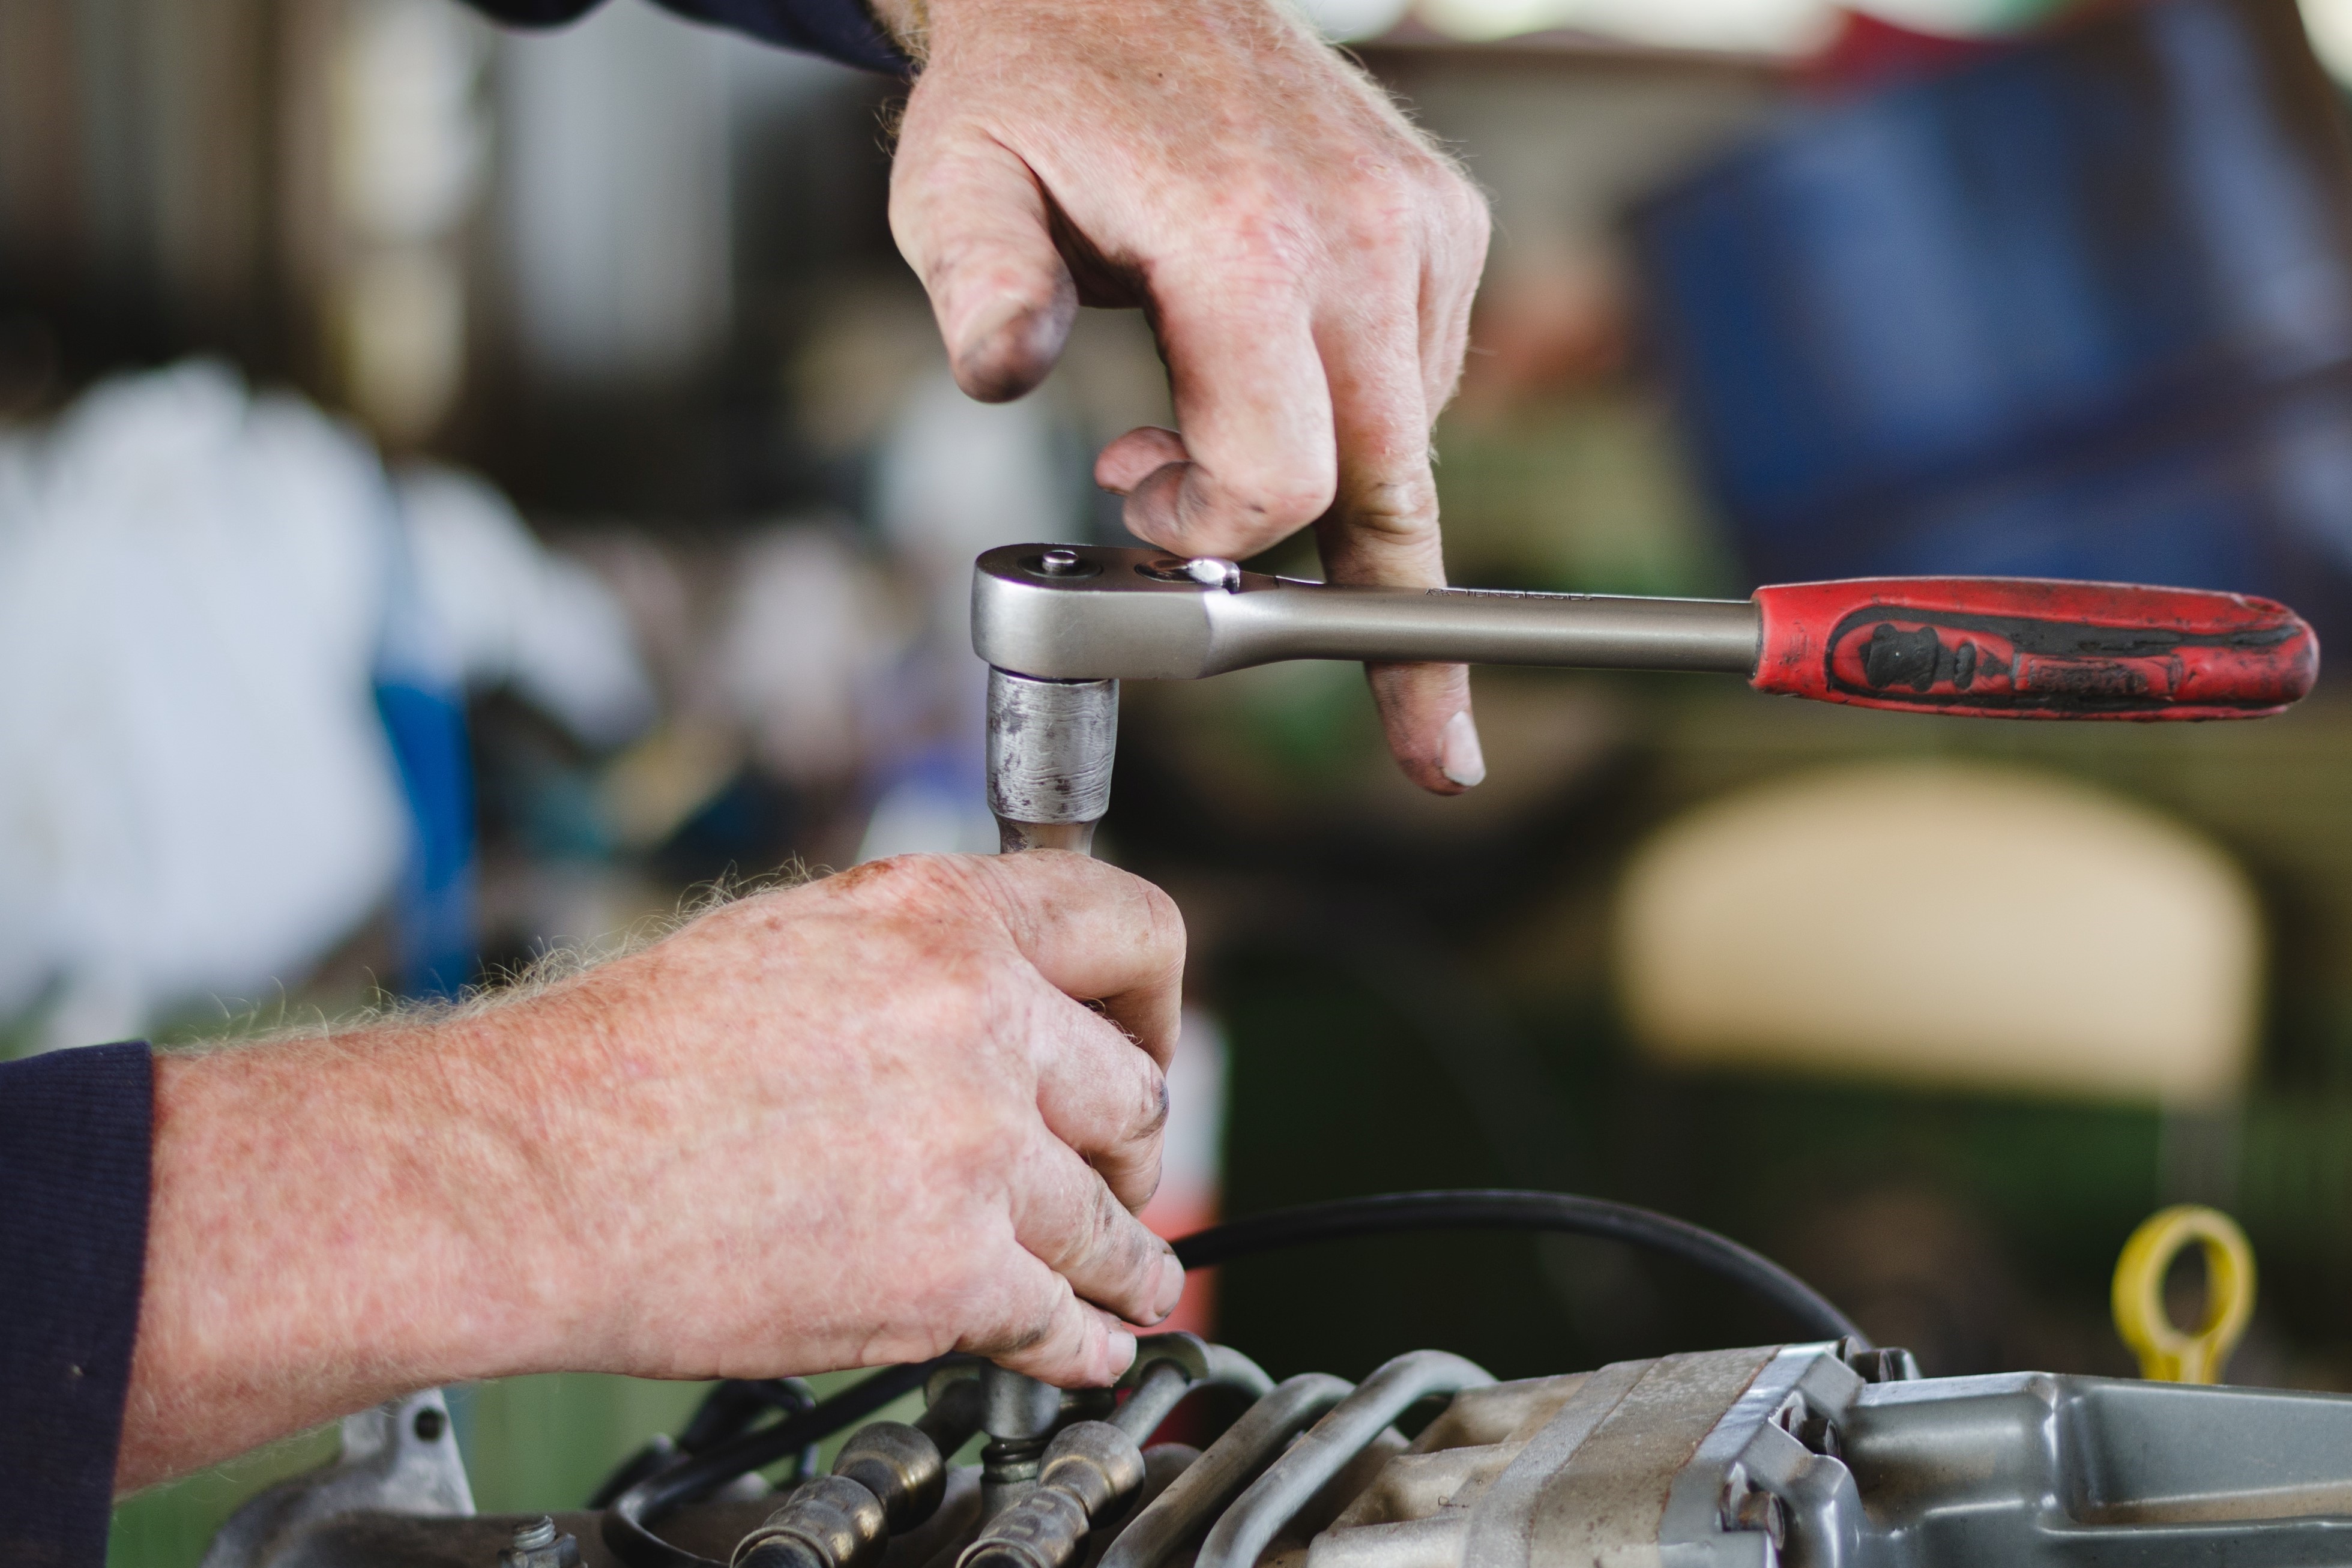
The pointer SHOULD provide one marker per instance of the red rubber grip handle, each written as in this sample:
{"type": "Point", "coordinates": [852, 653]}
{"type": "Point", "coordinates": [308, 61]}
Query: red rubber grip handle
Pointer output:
{"type": "Point", "coordinates": [2015, 647]}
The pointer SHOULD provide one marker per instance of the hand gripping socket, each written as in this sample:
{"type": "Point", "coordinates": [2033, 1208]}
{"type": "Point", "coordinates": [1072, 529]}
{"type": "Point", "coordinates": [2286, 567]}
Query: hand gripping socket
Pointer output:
{"type": "Point", "coordinates": [888, 1477]}
{"type": "Point", "coordinates": [1090, 1469]}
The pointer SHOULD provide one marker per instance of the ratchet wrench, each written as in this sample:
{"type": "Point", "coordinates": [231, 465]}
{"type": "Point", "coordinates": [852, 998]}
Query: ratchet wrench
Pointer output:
{"type": "Point", "coordinates": [1999, 647]}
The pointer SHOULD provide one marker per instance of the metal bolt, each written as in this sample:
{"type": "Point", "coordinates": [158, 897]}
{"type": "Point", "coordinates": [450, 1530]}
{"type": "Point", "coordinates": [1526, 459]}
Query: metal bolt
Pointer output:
{"type": "Point", "coordinates": [1764, 1512]}
{"type": "Point", "coordinates": [537, 1544]}
{"type": "Point", "coordinates": [1213, 572]}
{"type": "Point", "coordinates": [1059, 562]}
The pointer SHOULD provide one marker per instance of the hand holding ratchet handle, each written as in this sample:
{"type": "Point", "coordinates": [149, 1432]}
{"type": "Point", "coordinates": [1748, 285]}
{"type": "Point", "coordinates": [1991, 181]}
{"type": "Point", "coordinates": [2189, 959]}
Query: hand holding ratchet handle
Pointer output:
{"type": "Point", "coordinates": [1984, 646]}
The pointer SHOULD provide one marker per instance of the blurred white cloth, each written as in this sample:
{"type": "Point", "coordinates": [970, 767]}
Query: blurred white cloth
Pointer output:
{"type": "Point", "coordinates": [512, 613]}
{"type": "Point", "coordinates": [196, 796]}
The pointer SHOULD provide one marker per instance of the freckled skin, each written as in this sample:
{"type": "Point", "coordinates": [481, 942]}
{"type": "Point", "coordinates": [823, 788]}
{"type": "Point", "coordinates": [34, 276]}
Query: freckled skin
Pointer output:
{"type": "Point", "coordinates": [859, 1122]}
{"type": "Point", "coordinates": [1304, 257]}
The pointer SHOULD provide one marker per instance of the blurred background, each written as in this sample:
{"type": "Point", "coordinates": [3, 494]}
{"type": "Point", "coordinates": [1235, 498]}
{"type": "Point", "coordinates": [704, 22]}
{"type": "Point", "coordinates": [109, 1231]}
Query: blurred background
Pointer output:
{"type": "Point", "coordinates": [460, 494]}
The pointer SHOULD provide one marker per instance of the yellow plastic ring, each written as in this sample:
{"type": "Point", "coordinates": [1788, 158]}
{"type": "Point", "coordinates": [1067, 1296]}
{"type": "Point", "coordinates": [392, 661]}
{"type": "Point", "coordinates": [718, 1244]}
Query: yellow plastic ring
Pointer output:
{"type": "Point", "coordinates": [2166, 1353]}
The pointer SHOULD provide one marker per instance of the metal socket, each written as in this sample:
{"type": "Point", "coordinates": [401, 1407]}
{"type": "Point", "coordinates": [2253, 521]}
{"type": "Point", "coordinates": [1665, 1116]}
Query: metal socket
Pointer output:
{"type": "Point", "coordinates": [1050, 744]}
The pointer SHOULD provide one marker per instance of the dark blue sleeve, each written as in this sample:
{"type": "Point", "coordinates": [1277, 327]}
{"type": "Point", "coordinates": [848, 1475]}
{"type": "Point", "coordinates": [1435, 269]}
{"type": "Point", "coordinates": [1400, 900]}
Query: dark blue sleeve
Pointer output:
{"type": "Point", "coordinates": [74, 1129]}
{"type": "Point", "coordinates": [842, 30]}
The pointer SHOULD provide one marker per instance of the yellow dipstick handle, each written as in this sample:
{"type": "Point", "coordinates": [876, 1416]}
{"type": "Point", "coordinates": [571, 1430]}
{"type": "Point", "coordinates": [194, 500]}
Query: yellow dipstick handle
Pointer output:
{"type": "Point", "coordinates": [2167, 1354]}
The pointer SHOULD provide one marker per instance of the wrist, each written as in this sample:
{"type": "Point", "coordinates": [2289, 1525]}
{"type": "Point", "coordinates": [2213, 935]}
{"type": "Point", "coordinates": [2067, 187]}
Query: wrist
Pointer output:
{"type": "Point", "coordinates": [333, 1222]}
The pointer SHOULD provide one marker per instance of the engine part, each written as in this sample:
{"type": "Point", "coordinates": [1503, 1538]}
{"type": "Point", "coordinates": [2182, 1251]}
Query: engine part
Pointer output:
{"type": "Point", "coordinates": [887, 1476]}
{"type": "Point", "coordinates": [1807, 1455]}
{"type": "Point", "coordinates": [1090, 1467]}
{"type": "Point", "coordinates": [1193, 1499]}
{"type": "Point", "coordinates": [624, 1529]}
{"type": "Point", "coordinates": [2166, 1353]}
{"type": "Point", "coordinates": [1327, 1447]}
{"type": "Point", "coordinates": [399, 1458]}
{"type": "Point", "coordinates": [1061, 625]}
{"type": "Point", "coordinates": [539, 1545]}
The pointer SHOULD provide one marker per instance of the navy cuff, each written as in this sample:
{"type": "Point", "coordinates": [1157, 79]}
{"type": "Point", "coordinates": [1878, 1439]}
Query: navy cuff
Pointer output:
{"type": "Point", "coordinates": [840, 30]}
{"type": "Point", "coordinates": [75, 1133]}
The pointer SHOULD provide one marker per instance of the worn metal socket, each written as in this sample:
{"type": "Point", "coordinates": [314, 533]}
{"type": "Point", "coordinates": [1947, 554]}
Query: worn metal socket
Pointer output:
{"type": "Point", "coordinates": [1049, 759]}
{"type": "Point", "coordinates": [1088, 1468]}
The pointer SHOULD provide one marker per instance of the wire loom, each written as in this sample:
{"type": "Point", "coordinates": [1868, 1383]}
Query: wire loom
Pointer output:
{"type": "Point", "coordinates": [626, 1524]}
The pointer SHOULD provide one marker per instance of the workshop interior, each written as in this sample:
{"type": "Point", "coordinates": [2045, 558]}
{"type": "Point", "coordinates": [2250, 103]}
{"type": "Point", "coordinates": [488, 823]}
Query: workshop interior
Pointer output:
{"type": "Point", "coordinates": [1867, 1079]}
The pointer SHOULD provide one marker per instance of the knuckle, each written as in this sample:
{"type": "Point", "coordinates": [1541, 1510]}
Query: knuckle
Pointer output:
{"type": "Point", "coordinates": [1403, 506]}
{"type": "Point", "coordinates": [934, 883]}
{"type": "Point", "coordinates": [1283, 500]}
{"type": "Point", "coordinates": [1028, 1325]}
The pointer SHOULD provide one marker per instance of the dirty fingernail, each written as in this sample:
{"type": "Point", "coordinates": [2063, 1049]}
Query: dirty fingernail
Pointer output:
{"type": "Point", "coordinates": [1458, 756]}
{"type": "Point", "coordinates": [1121, 1348]}
{"type": "Point", "coordinates": [1171, 1288]}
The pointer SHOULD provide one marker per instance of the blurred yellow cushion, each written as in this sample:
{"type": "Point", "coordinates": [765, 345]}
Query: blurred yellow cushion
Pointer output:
{"type": "Point", "coordinates": [1947, 924]}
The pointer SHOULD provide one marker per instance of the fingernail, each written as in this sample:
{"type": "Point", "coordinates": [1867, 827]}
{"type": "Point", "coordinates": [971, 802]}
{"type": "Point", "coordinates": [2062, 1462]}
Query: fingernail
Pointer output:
{"type": "Point", "coordinates": [1458, 756]}
{"type": "Point", "coordinates": [1171, 1288]}
{"type": "Point", "coordinates": [1120, 1345]}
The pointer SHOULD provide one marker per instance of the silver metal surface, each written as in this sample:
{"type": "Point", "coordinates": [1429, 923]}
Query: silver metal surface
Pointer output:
{"type": "Point", "coordinates": [1015, 1408]}
{"type": "Point", "coordinates": [1164, 1385]}
{"type": "Point", "coordinates": [1169, 1366]}
{"type": "Point", "coordinates": [400, 1458]}
{"type": "Point", "coordinates": [1177, 1515]}
{"type": "Point", "coordinates": [1327, 1447]}
{"type": "Point", "coordinates": [1049, 758]}
{"type": "Point", "coordinates": [1142, 616]}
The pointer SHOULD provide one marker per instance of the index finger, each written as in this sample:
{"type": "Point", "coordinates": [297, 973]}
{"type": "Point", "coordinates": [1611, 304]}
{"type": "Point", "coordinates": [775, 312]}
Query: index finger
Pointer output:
{"type": "Point", "coordinates": [1097, 933]}
{"type": "Point", "coordinates": [1247, 381]}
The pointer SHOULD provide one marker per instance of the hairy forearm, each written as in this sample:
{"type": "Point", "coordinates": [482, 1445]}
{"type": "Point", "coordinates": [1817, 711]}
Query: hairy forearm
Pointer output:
{"type": "Point", "coordinates": [840, 1125]}
{"type": "Point", "coordinates": [334, 1222]}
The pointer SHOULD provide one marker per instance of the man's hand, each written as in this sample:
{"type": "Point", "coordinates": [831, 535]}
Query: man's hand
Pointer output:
{"type": "Point", "coordinates": [1305, 258]}
{"type": "Point", "coordinates": [856, 1123]}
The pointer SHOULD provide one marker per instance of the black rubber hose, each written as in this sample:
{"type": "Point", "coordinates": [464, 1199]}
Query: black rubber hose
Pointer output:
{"type": "Point", "coordinates": [1506, 1209]}
{"type": "Point", "coordinates": [625, 1531]}
{"type": "Point", "coordinates": [730, 1408]}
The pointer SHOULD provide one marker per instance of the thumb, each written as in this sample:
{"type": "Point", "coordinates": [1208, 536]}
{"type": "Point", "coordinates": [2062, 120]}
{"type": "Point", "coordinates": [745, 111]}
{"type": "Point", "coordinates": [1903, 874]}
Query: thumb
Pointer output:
{"type": "Point", "coordinates": [972, 221]}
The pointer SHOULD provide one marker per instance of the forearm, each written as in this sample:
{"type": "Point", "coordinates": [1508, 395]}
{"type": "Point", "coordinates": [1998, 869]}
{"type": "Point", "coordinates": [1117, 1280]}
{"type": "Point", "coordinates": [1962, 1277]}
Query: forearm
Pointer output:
{"type": "Point", "coordinates": [333, 1222]}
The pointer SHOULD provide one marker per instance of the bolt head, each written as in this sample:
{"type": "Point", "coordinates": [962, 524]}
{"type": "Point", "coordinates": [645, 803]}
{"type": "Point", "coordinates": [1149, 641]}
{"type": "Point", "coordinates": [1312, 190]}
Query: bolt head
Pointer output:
{"type": "Point", "coordinates": [1213, 572]}
{"type": "Point", "coordinates": [1059, 562]}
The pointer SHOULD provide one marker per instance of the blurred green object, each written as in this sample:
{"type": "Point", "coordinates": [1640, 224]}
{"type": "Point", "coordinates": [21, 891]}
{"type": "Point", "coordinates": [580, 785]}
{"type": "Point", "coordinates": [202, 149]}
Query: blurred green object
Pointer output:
{"type": "Point", "coordinates": [1585, 494]}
